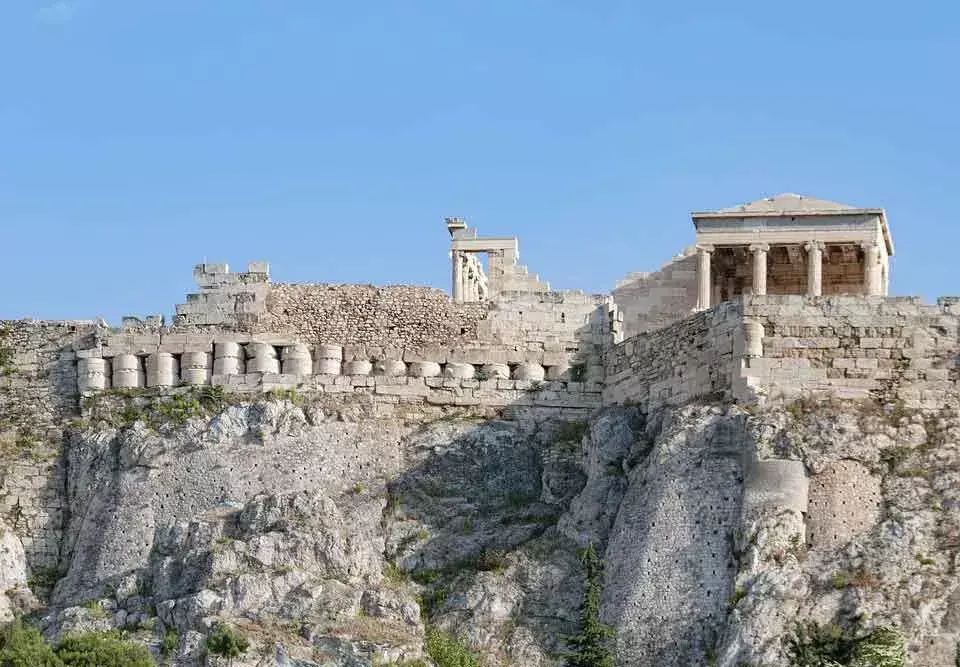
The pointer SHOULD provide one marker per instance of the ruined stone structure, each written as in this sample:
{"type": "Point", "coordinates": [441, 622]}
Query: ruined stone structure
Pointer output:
{"type": "Point", "coordinates": [503, 338]}
{"type": "Point", "coordinates": [778, 299]}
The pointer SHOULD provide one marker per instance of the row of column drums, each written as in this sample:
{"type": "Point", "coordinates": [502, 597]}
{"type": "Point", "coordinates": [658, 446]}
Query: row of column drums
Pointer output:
{"type": "Point", "coordinates": [164, 369]}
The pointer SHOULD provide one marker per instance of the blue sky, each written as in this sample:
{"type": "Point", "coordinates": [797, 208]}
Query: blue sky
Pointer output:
{"type": "Point", "coordinates": [138, 138]}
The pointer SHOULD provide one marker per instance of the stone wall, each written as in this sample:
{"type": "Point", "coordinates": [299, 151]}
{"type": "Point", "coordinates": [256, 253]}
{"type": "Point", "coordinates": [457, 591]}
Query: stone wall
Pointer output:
{"type": "Point", "coordinates": [649, 301]}
{"type": "Point", "coordinates": [38, 395]}
{"type": "Point", "coordinates": [256, 363]}
{"type": "Point", "coordinates": [698, 356]}
{"type": "Point", "coordinates": [405, 318]}
{"type": "Point", "coordinates": [399, 316]}
{"type": "Point", "coordinates": [854, 347]}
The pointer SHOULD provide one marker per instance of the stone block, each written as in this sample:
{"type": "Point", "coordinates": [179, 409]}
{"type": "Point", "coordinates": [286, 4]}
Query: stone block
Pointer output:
{"type": "Point", "coordinates": [390, 368]}
{"type": "Point", "coordinates": [458, 370]}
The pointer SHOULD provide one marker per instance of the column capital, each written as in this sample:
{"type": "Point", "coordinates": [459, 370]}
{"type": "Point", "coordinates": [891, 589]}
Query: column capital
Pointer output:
{"type": "Point", "coordinates": [871, 250]}
{"type": "Point", "coordinates": [759, 247]}
{"type": "Point", "coordinates": [814, 245]}
{"type": "Point", "coordinates": [705, 248]}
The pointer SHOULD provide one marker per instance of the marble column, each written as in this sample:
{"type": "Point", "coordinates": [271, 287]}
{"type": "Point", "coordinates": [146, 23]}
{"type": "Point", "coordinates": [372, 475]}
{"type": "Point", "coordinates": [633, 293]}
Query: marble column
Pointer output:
{"type": "Point", "coordinates": [759, 251]}
{"type": "Point", "coordinates": [456, 259]}
{"type": "Point", "coordinates": [703, 276]}
{"type": "Point", "coordinates": [872, 274]}
{"type": "Point", "coordinates": [814, 267]}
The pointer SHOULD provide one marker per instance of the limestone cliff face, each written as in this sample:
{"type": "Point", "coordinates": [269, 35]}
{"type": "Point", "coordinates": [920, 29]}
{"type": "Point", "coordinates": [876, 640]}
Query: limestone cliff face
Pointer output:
{"type": "Point", "coordinates": [338, 533]}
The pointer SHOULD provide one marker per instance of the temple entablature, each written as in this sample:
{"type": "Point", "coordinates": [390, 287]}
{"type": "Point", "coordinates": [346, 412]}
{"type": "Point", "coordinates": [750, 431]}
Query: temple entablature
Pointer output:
{"type": "Point", "coordinates": [791, 244]}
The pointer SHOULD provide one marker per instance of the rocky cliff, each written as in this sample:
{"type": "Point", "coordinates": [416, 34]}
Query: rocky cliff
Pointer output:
{"type": "Point", "coordinates": [342, 532]}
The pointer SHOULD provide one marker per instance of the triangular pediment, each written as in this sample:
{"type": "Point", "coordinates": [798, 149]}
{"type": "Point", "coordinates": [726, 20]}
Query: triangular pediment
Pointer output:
{"type": "Point", "coordinates": [786, 203]}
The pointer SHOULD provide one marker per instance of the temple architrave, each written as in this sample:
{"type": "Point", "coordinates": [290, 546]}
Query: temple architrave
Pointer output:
{"type": "Point", "coordinates": [791, 244]}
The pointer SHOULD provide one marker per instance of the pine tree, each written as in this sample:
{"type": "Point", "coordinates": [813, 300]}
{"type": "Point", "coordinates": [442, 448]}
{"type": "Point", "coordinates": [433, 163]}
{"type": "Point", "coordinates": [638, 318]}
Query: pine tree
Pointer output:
{"type": "Point", "coordinates": [591, 646]}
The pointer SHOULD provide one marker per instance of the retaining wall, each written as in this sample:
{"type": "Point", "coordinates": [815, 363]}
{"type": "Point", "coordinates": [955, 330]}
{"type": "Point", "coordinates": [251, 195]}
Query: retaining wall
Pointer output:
{"type": "Point", "coordinates": [900, 349]}
{"type": "Point", "coordinates": [695, 357]}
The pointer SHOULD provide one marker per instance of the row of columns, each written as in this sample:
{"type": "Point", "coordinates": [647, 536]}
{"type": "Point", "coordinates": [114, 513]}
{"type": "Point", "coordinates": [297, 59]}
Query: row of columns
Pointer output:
{"type": "Point", "coordinates": [469, 280]}
{"type": "Point", "coordinates": [873, 271]}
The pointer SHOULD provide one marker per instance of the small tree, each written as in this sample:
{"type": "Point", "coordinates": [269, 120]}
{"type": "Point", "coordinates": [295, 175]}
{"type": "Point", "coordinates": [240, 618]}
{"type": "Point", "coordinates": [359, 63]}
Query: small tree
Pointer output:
{"type": "Point", "coordinates": [24, 647]}
{"type": "Point", "coordinates": [227, 643]}
{"type": "Point", "coordinates": [591, 646]}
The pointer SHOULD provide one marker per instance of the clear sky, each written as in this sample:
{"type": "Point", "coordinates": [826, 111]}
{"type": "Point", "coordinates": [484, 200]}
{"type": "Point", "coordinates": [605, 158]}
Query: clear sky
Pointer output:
{"type": "Point", "coordinates": [140, 137]}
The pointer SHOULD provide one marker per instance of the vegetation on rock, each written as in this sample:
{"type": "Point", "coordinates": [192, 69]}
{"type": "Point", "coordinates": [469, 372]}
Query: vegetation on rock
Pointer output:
{"type": "Point", "coordinates": [448, 651]}
{"type": "Point", "coordinates": [93, 649]}
{"type": "Point", "coordinates": [226, 642]}
{"type": "Point", "coordinates": [23, 646]}
{"type": "Point", "coordinates": [813, 645]}
{"type": "Point", "coordinates": [591, 646]}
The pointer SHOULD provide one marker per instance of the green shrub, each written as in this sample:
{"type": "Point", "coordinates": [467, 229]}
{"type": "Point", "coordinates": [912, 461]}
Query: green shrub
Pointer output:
{"type": "Point", "coordinates": [394, 573]}
{"type": "Point", "coordinates": [840, 580]}
{"type": "Point", "coordinates": [96, 612]}
{"type": "Point", "coordinates": [171, 641]}
{"type": "Point", "coordinates": [106, 649]}
{"type": "Point", "coordinates": [22, 646]}
{"type": "Point", "coordinates": [591, 646]}
{"type": "Point", "coordinates": [572, 431]}
{"type": "Point", "coordinates": [448, 651]}
{"type": "Point", "coordinates": [492, 560]}
{"type": "Point", "coordinates": [226, 642]}
{"type": "Point", "coordinates": [884, 647]}
{"type": "Point", "coordinates": [814, 646]}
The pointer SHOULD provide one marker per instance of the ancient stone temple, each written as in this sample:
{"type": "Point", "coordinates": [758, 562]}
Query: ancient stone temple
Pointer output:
{"type": "Point", "coordinates": [791, 244]}
{"type": "Point", "coordinates": [504, 276]}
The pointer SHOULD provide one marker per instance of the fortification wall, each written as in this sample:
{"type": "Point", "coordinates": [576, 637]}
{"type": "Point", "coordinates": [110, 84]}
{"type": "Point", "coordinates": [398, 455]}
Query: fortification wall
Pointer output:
{"type": "Point", "coordinates": [695, 357]}
{"type": "Point", "coordinates": [38, 394]}
{"type": "Point", "coordinates": [253, 363]}
{"type": "Point", "coordinates": [853, 347]}
{"type": "Point", "coordinates": [650, 301]}
{"type": "Point", "coordinates": [570, 324]}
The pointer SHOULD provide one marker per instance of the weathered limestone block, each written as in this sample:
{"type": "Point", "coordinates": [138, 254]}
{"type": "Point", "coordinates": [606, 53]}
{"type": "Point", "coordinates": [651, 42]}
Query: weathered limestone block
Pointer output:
{"type": "Point", "coordinates": [529, 371]}
{"type": "Point", "coordinates": [845, 502]}
{"type": "Point", "coordinates": [357, 367]}
{"type": "Point", "coordinates": [262, 358]}
{"type": "Point", "coordinates": [195, 368]}
{"type": "Point", "coordinates": [458, 370]}
{"type": "Point", "coordinates": [228, 358]}
{"type": "Point", "coordinates": [93, 374]}
{"type": "Point", "coordinates": [297, 360]}
{"type": "Point", "coordinates": [328, 360]}
{"type": "Point", "coordinates": [127, 372]}
{"type": "Point", "coordinates": [163, 370]}
{"type": "Point", "coordinates": [753, 333]}
{"type": "Point", "coordinates": [13, 572]}
{"type": "Point", "coordinates": [776, 485]}
{"type": "Point", "coordinates": [559, 372]}
{"type": "Point", "coordinates": [496, 371]}
{"type": "Point", "coordinates": [424, 369]}
{"type": "Point", "coordinates": [390, 368]}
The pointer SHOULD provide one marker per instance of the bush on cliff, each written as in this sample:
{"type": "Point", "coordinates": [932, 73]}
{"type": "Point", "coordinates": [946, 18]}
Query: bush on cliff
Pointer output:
{"type": "Point", "coordinates": [447, 651]}
{"type": "Point", "coordinates": [591, 646]}
{"type": "Point", "coordinates": [815, 646]}
{"type": "Point", "coordinates": [24, 647]}
{"type": "Point", "coordinates": [227, 643]}
{"type": "Point", "coordinates": [94, 649]}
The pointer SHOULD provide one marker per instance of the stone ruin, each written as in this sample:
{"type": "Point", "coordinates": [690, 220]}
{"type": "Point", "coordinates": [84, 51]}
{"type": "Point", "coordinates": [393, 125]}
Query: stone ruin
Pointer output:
{"type": "Point", "coordinates": [503, 336]}
{"type": "Point", "coordinates": [779, 298]}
